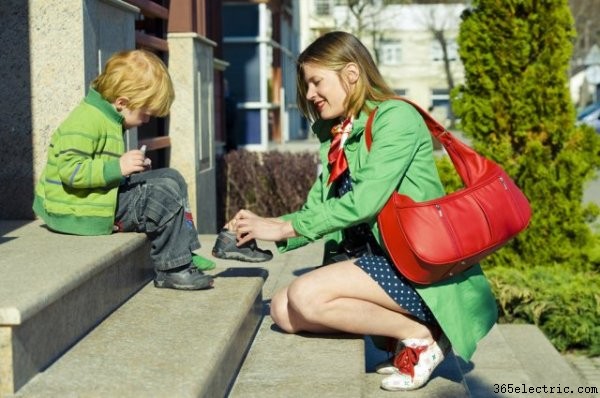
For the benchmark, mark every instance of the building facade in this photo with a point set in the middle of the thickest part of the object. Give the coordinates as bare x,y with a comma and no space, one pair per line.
260,43
405,41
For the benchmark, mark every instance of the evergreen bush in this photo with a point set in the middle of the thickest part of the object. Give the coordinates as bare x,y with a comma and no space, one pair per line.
516,108
564,304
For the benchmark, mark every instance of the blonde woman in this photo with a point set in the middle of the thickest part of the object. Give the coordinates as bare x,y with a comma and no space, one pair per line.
91,186
360,291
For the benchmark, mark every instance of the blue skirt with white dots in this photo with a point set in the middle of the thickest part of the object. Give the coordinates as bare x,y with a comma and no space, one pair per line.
381,268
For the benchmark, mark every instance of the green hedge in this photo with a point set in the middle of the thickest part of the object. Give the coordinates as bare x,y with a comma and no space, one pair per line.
563,303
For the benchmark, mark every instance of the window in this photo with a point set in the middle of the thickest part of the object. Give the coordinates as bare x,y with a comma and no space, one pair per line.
391,53
322,7
438,55
440,97
440,103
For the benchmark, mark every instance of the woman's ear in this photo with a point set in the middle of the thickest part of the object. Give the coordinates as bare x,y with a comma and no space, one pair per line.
351,72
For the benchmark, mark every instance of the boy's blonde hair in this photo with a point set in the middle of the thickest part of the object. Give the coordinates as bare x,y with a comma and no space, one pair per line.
141,77
335,50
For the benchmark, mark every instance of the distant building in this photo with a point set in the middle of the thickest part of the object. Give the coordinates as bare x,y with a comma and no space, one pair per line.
402,41
260,43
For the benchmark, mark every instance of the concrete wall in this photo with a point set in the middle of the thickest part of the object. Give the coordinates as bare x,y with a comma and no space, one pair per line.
52,49
192,125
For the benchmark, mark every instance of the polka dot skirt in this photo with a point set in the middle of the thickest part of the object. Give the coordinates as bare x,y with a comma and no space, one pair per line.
381,269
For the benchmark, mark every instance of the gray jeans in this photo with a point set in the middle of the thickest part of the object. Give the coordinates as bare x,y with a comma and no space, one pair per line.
156,202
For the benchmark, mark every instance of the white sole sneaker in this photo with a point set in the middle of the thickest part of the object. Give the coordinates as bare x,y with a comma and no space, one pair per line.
415,364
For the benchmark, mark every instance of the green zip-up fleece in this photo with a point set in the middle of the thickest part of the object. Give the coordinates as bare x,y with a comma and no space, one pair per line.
400,159
77,191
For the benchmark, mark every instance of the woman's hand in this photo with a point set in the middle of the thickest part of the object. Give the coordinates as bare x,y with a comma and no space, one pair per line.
249,226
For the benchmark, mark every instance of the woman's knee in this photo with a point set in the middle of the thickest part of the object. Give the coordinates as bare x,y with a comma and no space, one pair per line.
279,311
304,298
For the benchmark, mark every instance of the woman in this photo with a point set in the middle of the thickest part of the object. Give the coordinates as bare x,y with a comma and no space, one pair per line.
360,291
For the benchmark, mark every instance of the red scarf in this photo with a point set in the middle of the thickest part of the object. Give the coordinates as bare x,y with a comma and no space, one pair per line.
337,158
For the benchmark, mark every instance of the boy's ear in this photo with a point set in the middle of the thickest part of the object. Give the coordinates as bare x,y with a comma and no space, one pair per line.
121,103
352,72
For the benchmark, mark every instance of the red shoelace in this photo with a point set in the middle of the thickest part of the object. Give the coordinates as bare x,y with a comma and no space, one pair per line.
406,359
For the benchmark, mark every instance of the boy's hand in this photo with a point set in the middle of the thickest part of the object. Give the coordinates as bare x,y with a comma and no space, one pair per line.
132,162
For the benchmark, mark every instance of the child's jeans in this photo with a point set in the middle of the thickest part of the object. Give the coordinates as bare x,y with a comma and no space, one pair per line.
156,202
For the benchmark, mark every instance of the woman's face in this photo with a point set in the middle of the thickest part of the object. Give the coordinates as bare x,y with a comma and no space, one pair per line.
325,90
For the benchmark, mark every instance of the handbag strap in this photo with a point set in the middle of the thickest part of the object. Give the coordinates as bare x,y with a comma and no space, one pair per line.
469,165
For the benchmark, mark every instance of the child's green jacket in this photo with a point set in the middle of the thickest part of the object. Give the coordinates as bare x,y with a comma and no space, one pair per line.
77,191
401,159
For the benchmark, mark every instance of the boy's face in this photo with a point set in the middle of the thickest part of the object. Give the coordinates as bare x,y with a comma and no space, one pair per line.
135,118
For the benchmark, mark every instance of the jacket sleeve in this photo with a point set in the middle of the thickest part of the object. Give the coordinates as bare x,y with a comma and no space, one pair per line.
398,132
79,161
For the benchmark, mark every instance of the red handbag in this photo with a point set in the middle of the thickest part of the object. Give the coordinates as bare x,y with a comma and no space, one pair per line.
434,240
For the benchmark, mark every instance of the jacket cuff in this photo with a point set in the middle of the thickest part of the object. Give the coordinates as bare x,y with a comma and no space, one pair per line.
291,243
112,172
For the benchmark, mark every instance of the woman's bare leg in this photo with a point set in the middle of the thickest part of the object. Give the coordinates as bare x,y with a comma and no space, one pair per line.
342,297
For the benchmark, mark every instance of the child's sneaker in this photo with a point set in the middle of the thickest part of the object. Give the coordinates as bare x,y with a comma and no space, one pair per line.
225,247
184,278
415,364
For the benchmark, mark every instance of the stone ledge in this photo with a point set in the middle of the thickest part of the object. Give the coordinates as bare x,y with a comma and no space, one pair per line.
163,342
55,288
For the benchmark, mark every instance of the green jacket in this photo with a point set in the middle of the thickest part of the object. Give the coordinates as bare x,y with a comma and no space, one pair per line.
401,158
77,191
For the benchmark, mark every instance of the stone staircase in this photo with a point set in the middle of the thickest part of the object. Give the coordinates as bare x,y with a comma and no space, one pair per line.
79,318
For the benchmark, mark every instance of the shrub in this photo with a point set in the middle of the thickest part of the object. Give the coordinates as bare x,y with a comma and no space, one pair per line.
269,184
516,108
564,304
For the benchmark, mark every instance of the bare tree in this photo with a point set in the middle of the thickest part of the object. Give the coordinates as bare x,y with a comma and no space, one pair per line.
586,15
439,21
364,19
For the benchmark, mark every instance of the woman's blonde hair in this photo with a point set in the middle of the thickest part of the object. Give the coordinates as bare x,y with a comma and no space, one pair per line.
333,51
141,77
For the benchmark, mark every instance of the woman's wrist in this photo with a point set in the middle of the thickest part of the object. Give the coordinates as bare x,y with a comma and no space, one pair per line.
287,230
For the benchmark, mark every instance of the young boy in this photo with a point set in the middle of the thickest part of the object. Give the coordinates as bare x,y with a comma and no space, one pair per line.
91,186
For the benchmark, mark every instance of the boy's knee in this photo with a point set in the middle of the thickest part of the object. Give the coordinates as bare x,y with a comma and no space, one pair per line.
176,176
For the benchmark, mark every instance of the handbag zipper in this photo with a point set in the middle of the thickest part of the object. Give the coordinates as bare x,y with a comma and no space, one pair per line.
448,228
516,207
503,183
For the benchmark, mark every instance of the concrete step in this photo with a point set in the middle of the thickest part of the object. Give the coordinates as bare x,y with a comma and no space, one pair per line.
540,365
287,365
163,343
510,357
55,288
